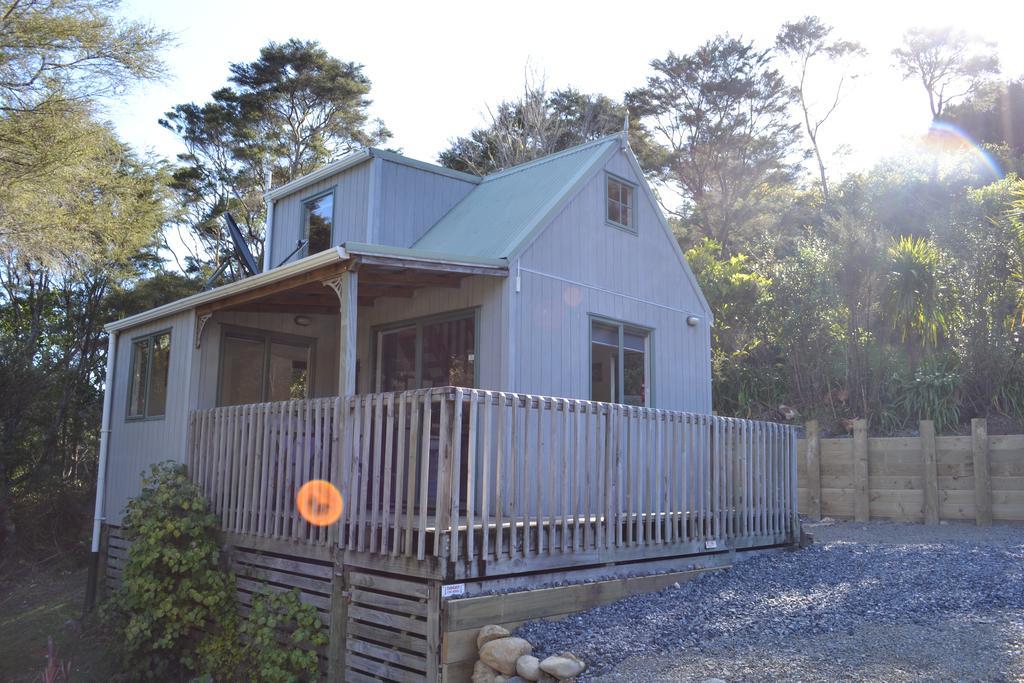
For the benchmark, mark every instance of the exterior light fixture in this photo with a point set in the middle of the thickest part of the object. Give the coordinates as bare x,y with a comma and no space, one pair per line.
692,320
303,320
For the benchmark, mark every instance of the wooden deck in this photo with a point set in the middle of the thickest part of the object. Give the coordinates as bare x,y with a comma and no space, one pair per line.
552,481
483,490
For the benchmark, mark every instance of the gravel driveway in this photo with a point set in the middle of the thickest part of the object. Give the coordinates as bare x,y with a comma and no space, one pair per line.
868,602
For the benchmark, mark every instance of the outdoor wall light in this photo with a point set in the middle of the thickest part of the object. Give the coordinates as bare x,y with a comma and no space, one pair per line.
303,320
692,320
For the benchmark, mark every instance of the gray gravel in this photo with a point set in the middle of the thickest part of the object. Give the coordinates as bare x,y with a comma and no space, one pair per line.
878,601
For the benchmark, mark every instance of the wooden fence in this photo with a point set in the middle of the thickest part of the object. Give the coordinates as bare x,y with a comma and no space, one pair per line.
921,478
501,482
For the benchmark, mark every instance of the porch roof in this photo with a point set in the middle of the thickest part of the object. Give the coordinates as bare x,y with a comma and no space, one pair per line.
297,287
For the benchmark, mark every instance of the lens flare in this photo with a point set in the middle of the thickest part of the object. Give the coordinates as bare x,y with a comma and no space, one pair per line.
319,502
946,137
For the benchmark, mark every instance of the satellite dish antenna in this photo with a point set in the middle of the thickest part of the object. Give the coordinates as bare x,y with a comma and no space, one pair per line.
241,248
242,253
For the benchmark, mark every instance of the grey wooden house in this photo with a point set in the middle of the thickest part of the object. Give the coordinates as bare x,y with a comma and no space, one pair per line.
502,374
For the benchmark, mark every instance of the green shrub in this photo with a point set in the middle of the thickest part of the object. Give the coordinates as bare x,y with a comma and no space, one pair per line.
173,590
931,393
267,657
175,613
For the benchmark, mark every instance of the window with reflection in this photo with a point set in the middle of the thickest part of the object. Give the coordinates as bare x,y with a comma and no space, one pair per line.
428,353
319,223
257,367
619,365
619,203
147,388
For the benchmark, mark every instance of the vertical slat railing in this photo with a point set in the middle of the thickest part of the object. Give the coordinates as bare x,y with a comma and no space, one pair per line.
250,460
494,477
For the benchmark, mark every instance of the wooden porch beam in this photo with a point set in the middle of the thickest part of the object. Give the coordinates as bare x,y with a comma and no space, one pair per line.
435,266
413,279
318,275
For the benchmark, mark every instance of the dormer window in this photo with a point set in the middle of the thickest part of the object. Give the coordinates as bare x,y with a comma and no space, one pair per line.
620,204
319,219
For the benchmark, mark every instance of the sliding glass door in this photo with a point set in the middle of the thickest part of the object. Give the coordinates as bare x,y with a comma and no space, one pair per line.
256,367
432,352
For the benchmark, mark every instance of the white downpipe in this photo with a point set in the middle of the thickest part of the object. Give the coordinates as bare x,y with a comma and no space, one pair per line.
101,468
268,236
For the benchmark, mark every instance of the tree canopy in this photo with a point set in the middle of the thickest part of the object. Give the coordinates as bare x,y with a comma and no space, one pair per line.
721,134
291,110
534,125
950,64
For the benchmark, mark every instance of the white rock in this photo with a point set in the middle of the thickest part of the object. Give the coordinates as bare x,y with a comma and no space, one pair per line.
561,666
489,633
502,653
483,673
528,667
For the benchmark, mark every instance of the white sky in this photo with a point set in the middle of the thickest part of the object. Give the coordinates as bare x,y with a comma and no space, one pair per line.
436,65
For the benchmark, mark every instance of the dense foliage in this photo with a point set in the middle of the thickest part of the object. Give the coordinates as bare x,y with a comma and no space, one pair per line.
175,613
173,591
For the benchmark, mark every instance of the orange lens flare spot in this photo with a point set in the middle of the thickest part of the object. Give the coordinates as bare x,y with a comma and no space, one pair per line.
319,502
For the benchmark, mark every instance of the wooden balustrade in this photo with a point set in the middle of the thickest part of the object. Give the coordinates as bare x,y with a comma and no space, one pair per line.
250,460
500,481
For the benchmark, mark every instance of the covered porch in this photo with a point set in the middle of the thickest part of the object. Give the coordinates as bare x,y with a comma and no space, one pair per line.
356,319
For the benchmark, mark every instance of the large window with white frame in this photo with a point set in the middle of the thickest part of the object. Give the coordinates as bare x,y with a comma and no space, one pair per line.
619,363
147,389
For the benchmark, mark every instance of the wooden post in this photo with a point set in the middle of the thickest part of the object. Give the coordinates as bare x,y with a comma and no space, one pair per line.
346,286
813,459
982,476
861,492
339,618
931,473
434,607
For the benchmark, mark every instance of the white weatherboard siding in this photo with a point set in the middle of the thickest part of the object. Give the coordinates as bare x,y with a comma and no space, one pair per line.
484,292
136,444
410,200
581,266
351,202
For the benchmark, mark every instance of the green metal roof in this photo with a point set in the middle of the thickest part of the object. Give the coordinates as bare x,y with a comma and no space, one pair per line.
501,213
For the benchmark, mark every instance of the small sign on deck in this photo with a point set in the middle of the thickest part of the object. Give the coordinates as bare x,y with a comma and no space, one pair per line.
711,545
453,590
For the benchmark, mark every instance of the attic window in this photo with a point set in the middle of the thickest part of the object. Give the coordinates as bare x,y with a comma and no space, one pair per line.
620,204
319,216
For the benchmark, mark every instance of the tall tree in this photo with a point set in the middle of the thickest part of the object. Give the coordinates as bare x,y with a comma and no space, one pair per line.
74,49
950,64
77,212
806,41
537,123
721,135
282,115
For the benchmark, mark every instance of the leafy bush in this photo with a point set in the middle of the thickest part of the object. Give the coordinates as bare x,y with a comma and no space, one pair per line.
268,658
931,393
173,589
175,613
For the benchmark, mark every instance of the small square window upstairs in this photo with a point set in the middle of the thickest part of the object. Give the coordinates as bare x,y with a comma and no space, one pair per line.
620,204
